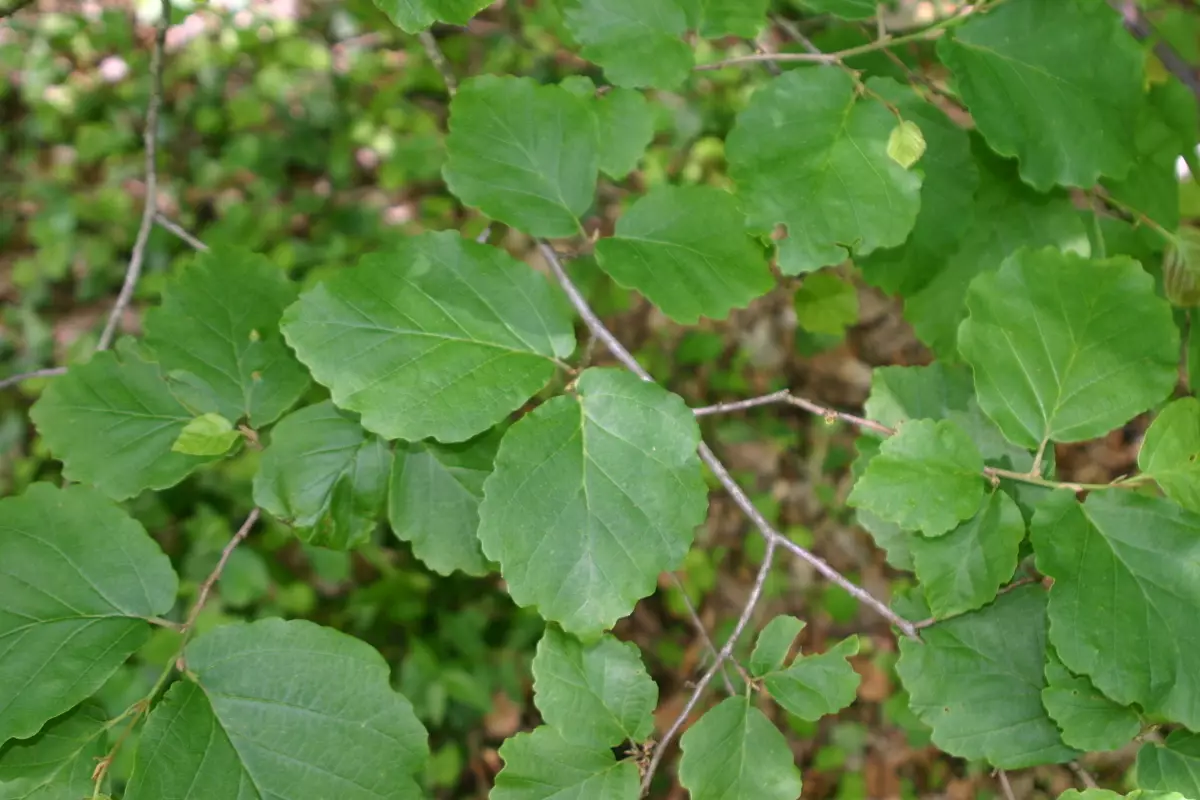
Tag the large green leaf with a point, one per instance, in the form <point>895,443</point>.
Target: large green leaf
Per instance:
<point>541,765</point>
<point>1173,766</point>
<point>56,764</point>
<point>811,154</point>
<point>637,42</point>
<point>1124,569</point>
<point>1171,452</point>
<point>80,578</point>
<point>1065,348</point>
<point>597,694</point>
<point>593,495</point>
<point>131,419</point>
<point>1066,115</point>
<point>962,570</point>
<point>417,15</point>
<point>951,176</point>
<point>1088,720</point>
<point>217,331</point>
<point>734,752</point>
<point>686,249</point>
<point>927,478</point>
<point>325,476</point>
<point>977,680</point>
<point>1006,216</point>
<point>713,19</point>
<point>524,154</point>
<point>433,502</point>
<point>281,709</point>
<point>438,336</point>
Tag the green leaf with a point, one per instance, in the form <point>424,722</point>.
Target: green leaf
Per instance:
<point>963,570</point>
<point>1066,116</point>
<point>1115,583</point>
<point>131,419</point>
<point>637,42</point>
<point>714,19</point>
<point>56,764</point>
<point>977,681</point>
<point>417,15</point>
<point>433,502</point>
<point>1173,766</point>
<point>218,329</point>
<point>325,476</point>
<point>625,123</point>
<point>1066,349</point>
<point>1152,186</point>
<point>206,435</point>
<point>275,709</point>
<point>813,686</point>
<point>927,478</point>
<point>439,336</point>
<point>906,143</point>
<point>947,196</point>
<point>597,694</point>
<point>846,9</point>
<point>807,140</point>
<point>887,535</point>
<point>734,752</point>
<point>1171,452</point>
<point>541,765</point>
<point>1088,720</point>
<point>524,154</point>
<point>774,643</point>
<point>1007,215</point>
<point>79,579</point>
<point>825,303</point>
<point>594,495</point>
<point>686,249</point>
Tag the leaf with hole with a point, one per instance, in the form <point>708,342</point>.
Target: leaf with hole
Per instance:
<point>927,477</point>
<point>593,495</point>
<point>977,680</point>
<point>686,249</point>
<point>273,709</point>
<point>1065,348</point>
<point>596,694</point>
<point>217,333</point>
<point>325,476</point>
<point>437,337</point>
<point>734,752</point>
<point>522,153</point>
<point>808,141</point>
<point>80,580</point>
<point>1066,116</point>
<point>1115,583</point>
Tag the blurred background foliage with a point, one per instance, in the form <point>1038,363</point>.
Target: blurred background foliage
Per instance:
<point>312,132</point>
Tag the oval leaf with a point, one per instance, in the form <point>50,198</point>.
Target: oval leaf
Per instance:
<point>592,497</point>
<point>734,752</point>
<point>438,337</point>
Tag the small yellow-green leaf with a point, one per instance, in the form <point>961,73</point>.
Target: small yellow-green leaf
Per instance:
<point>906,143</point>
<point>206,435</point>
<point>825,303</point>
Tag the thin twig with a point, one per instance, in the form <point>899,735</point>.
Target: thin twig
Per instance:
<point>760,581</point>
<point>49,372</point>
<point>698,624</point>
<point>736,493</point>
<point>1005,786</point>
<point>1084,776</point>
<point>215,575</point>
<point>150,141</point>
<point>1137,24</point>
<point>175,228</point>
<point>439,61</point>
